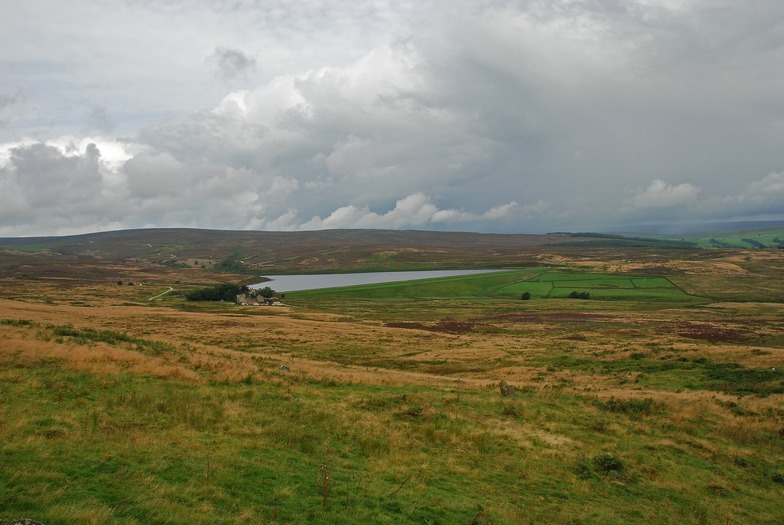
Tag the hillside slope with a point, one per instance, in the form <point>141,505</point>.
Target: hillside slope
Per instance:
<point>327,250</point>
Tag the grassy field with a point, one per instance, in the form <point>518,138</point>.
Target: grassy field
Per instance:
<point>657,401</point>
<point>765,238</point>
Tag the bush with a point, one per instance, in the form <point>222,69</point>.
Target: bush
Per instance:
<point>525,296</point>
<point>606,463</point>
<point>16,322</point>
<point>579,295</point>
<point>628,406</point>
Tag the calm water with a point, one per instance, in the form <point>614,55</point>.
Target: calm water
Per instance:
<point>293,283</point>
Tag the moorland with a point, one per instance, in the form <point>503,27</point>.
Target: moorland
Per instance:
<point>654,398</point>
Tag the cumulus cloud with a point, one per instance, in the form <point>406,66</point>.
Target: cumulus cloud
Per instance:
<point>760,198</point>
<point>770,187</point>
<point>42,183</point>
<point>659,195</point>
<point>413,211</point>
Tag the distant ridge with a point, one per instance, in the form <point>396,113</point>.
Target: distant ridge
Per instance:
<point>254,252</point>
<point>109,241</point>
<point>310,251</point>
<point>696,228</point>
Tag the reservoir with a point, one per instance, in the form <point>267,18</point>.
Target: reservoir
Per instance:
<point>294,283</point>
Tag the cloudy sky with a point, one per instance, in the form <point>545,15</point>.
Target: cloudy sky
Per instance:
<point>493,116</point>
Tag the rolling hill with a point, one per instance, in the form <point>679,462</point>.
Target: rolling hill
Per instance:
<point>327,250</point>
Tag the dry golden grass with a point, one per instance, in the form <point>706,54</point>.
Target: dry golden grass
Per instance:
<point>555,348</point>
<point>231,343</point>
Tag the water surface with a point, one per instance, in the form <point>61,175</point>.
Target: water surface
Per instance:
<point>294,283</point>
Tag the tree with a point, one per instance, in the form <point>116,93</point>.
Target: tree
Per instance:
<point>525,296</point>
<point>221,292</point>
<point>266,292</point>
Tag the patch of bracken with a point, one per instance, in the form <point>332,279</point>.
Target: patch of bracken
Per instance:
<point>444,325</point>
<point>567,317</point>
<point>714,334</point>
<point>406,324</point>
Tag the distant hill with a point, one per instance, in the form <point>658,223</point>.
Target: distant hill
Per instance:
<point>696,229</point>
<point>313,251</point>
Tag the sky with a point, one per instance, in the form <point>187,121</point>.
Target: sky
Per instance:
<point>489,116</point>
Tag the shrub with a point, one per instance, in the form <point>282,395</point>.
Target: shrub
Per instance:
<point>579,295</point>
<point>628,406</point>
<point>606,463</point>
<point>16,322</point>
<point>232,265</point>
<point>221,292</point>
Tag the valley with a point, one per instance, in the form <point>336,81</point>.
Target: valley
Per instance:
<point>656,399</point>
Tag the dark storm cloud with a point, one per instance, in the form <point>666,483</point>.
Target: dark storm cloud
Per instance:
<point>101,120</point>
<point>7,100</point>
<point>231,63</point>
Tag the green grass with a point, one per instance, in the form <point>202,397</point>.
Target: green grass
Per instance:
<point>479,285</point>
<point>768,237</point>
<point>61,333</point>
<point>129,449</point>
<point>605,287</point>
<point>538,290</point>
<point>679,373</point>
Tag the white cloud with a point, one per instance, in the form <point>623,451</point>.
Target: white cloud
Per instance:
<point>414,211</point>
<point>659,195</point>
<point>762,198</point>
<point>770,187</point>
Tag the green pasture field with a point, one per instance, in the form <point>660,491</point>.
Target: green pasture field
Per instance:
<point>86,448</point>
<point>477,285</point>
<point>769,237</point>
<point>540,283</point>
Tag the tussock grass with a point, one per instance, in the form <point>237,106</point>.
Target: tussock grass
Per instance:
<point>149,451</point>
<point>389,410</point>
